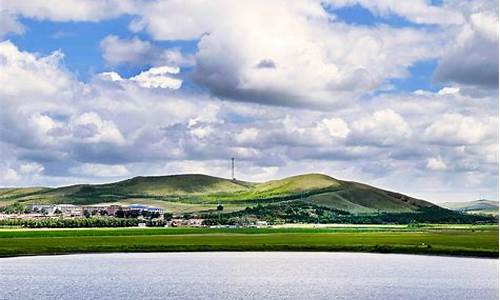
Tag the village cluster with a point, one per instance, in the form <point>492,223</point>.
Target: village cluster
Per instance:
<point>30,214</point>
<point>71,210</point>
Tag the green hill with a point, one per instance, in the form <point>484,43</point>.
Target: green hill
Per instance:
<point>481,206</point>
<point>201,192</point>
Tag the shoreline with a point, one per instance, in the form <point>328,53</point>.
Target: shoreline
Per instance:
<point>489,257</point>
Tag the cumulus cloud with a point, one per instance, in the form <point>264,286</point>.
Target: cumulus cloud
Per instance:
<point>472,57</point>
<point>336,127</point>
<point>31,168</point>
<point>419,11</point>
<point>448,90</point>
<point>159,77</point>
<point>156,77</point>
<point>110,76</point>
<point>9,176</point>
<point>456,129</point>
<point>436,164</point>
<point>383,127</point>
<point>137,52</point>
<point>315,62</point>
<point>44,74</point>
<point>9,24</point>
<point>90,128</point>
<point>100,170</point>
<point>70,10</point>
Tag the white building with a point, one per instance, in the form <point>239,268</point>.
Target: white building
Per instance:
<point>51,209</point>
<point>69,209</point>
<point>48,209</point>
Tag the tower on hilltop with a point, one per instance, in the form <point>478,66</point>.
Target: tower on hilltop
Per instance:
<point>232,168</point>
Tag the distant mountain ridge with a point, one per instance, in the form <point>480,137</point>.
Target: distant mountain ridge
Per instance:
<point>203,190</point>
<point>477,206</point>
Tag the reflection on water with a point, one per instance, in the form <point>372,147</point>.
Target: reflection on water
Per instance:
<point>248,275</point>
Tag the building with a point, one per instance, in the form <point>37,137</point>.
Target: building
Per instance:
<point>70,210</point>
<point>46,209</point>
<point>94,209</point>
<point>51,209</point>
<point>195,222</point>
<point>139,208</point>
<point>112,209</point>
<point>155,210</point>
<point>261,223</point>
<point>97,209</point>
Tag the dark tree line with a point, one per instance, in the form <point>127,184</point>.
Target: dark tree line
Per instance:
<point>303,212</point>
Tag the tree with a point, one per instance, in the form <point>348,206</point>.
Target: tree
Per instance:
<point>120,213</point>
<point>168,216</point>
<point>13,208</point>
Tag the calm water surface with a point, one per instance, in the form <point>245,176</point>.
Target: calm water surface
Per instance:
<point>248,275</point>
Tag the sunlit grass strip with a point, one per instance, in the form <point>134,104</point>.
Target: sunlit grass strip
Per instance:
<point>479,244</point>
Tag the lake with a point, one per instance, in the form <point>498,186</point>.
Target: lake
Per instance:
<point>248,275</point>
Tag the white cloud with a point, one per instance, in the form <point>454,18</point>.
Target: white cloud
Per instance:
<point>159,77</point>
<point>90,128</point>
<point>316,62</point>
<point>134,51</point>
<point>31,168</point>
<point>9,176</point>
<point>448,90</point>
<point>100,170</point>
<point>456,129</point>
<point>383,127</point>
<point>156,77</point>
<point>201,132</point>
<point>9,24</point>
<point>486,24</point>
<point>418,11</point>
<point>116,51</point>
<point>247,136</point>
<point>110,76</point>
<point>336,127</point>
<point>69,10</point>
<point>471,58</point>
<point>436,164</point>
<point>44,75</point>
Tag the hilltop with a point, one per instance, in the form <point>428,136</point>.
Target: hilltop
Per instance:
<point>202,191</point>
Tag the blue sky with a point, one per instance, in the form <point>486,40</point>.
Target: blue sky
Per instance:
<point>374,91</point>
<point>79,41</point>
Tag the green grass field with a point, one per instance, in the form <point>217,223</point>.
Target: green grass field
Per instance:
<point>479,241</point>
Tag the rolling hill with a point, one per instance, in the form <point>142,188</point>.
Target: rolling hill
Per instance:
<point>476,207</point>
<point>202,192</point>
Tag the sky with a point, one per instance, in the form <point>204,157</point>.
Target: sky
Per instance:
<point>401,95</point>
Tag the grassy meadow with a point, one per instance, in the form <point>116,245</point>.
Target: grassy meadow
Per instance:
<point>473,240</point>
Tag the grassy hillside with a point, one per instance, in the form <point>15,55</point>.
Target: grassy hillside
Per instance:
<point>195,192</point>
<point>180,185</point>
<point>478,206</point>
<point>6,193</point>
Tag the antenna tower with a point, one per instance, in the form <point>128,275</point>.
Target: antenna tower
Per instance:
<point>232,168</point>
